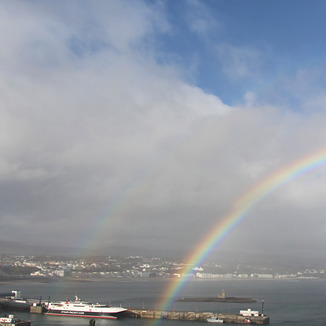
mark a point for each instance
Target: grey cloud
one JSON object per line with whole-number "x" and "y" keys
{"x": 100, "y": 135}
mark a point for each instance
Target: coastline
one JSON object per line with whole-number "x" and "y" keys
{"x": 23, "y": 279}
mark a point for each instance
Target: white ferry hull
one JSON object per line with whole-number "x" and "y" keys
{"x": 80, "y": 314}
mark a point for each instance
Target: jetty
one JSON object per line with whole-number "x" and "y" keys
{"x": 241, "y": 318}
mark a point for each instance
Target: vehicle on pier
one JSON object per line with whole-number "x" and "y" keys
{"x": 215, "y": 320}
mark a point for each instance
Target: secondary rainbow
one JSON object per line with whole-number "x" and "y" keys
{"x": 238, "y": 212}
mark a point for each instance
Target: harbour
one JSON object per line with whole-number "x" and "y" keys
{"x": 79, "y": 308}
{"x": 299, "y": 303}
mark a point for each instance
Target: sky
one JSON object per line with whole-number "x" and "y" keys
{"x": 138, "y": 124}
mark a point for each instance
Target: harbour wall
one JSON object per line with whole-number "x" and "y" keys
{"x": 196, "y": 316}
{"x": 159, "y": 314}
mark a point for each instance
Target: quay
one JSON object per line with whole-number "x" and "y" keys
{"x": 197, "y": 316}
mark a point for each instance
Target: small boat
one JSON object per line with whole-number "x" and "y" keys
{"x": 11, "y": 321}
{"x": 215, "y": 320}
{"x": 79, "y": 308}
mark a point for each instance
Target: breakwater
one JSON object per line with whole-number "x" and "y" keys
{"x": 196, "y": 316}
{"x": 260, "y": 319}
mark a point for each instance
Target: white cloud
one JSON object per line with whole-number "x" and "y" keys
{"x": 200, "y": 19}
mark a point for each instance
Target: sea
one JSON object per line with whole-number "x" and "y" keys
{"x": 287, "y": 302}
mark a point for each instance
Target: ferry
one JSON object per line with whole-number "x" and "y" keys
{"x": 79, "y": 308}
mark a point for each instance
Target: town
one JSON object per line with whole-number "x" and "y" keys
{"x": 137, "y": 267}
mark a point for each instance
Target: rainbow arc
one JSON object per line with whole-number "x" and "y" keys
{"x": 236, "y": 215}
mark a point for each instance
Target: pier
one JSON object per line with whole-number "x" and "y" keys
{"x": 196, "y": 316}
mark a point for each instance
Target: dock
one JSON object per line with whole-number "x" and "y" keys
{"x": 196, "y": 316}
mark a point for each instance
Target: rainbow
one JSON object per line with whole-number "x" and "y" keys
{"x": 236, "y": 215}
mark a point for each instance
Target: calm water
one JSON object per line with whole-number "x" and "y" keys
{"x": 286, "y": 302}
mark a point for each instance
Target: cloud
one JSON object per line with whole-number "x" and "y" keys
{"x": 200, "y": 19}
{"x": 82, "y": 120}
{"x": 96, "y": 132}
{"x": 238, "y": 62}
